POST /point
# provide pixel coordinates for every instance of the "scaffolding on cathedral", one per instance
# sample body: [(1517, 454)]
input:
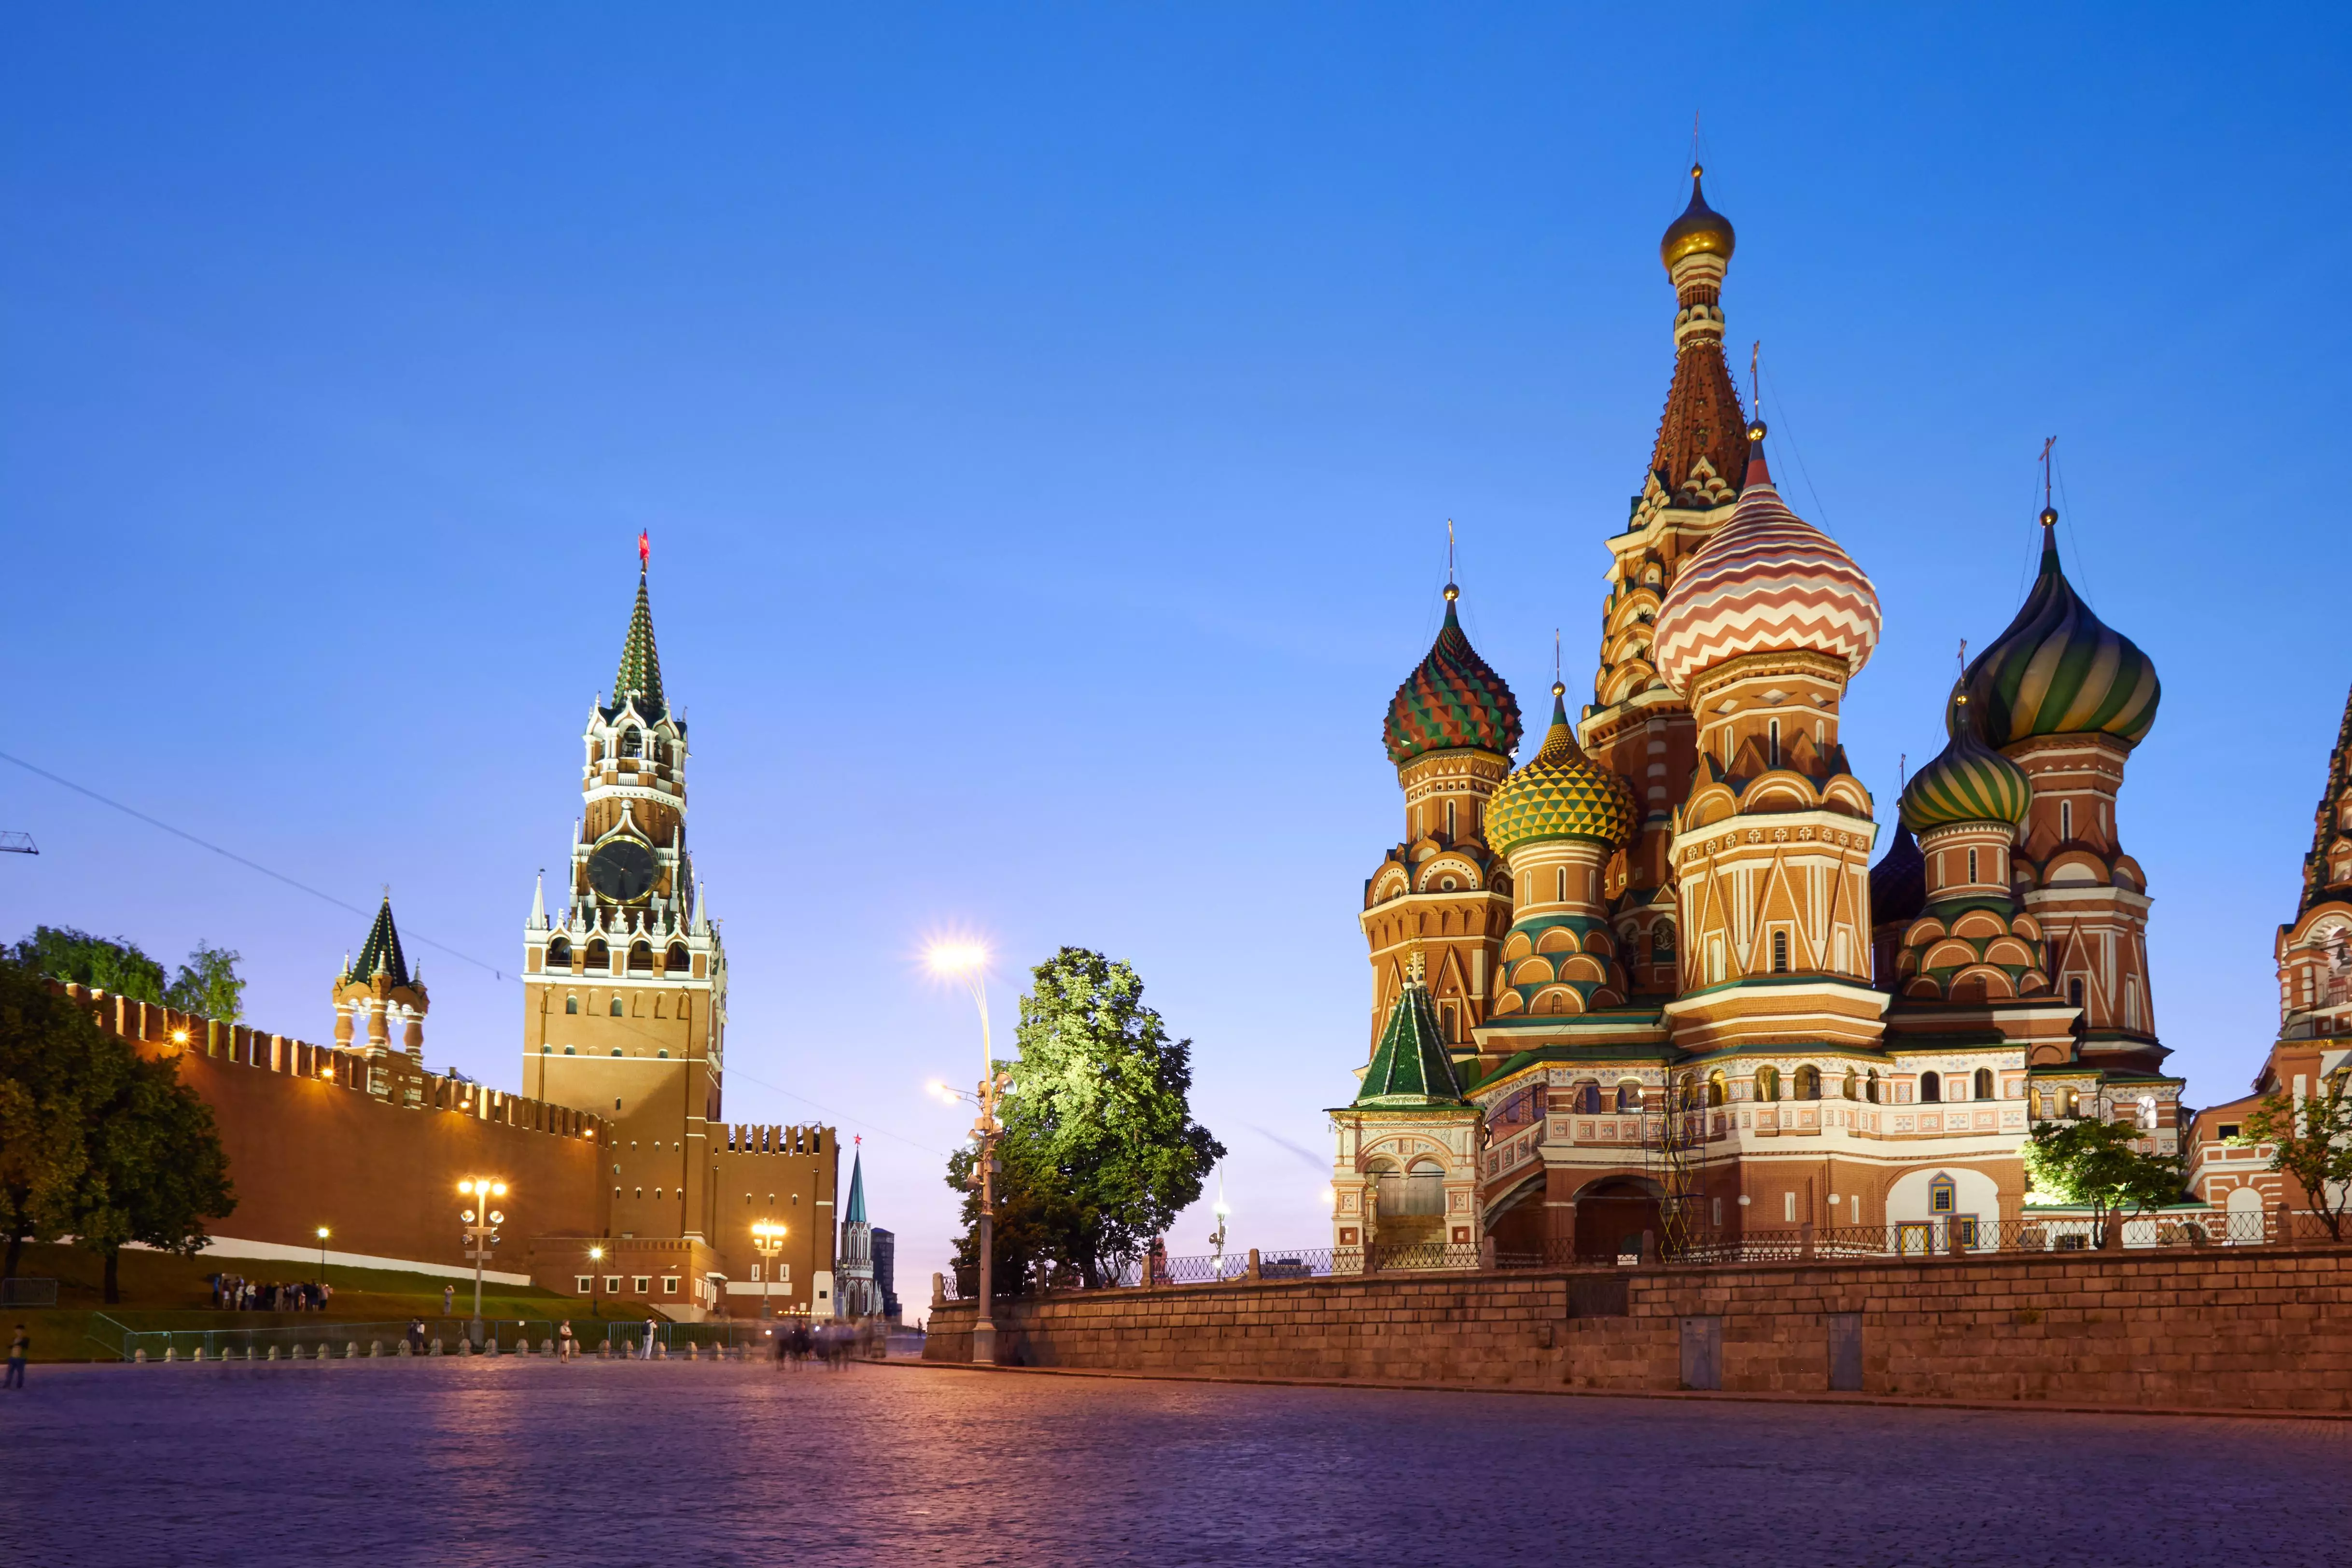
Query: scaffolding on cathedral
[(1674, 1155)]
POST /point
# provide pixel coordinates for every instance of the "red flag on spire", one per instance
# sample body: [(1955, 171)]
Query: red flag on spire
[(645, 548)]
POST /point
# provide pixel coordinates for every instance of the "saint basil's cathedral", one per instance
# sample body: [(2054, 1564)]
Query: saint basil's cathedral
[(1671, 978)]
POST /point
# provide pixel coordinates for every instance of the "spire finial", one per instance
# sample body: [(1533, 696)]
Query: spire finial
[(1416, 968), (1903, 768), (2049, 512), (1452, 593), (645, 550)]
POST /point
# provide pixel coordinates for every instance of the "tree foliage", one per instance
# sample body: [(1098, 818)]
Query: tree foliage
[(2312, 1143), (1100, 1150), (207, 983), (97, 1141), (2092, 1164)]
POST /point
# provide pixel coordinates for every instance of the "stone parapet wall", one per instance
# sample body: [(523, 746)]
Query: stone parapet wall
[(2237, 1327)]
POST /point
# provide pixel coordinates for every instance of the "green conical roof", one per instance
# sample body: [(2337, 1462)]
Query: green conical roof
[(856, 1212), (1410, 1064), (381, 947), (640, 673)]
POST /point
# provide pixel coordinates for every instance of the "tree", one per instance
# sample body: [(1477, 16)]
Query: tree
[(2092, 1164), (2312, 1143), (1099, 1149), (53, 1058), (207, 983), (116, 967), (156, 1169)]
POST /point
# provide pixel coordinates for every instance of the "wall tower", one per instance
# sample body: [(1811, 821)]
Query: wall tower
[(2314, 949)]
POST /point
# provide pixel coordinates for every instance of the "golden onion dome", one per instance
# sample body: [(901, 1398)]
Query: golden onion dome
[(1701, 228), (1560, 794)]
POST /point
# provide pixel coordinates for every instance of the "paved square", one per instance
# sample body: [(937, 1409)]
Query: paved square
[(509, 1461)]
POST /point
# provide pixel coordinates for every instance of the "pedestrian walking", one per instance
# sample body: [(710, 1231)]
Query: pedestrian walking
[(448, 1300), (647, 1351), (563, 1344), (416, 1336), (19, 1347)]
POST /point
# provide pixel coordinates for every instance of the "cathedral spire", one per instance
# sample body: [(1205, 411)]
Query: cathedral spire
[(1702, 422), (2327, 869), (381, 952), (640, 672)]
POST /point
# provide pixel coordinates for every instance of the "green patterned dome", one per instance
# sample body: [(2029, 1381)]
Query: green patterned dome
[(1452, 700), (1560, 794), (1968, 781), (2060, 670)]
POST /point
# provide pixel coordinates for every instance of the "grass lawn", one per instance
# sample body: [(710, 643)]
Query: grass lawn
[(160, 1291)]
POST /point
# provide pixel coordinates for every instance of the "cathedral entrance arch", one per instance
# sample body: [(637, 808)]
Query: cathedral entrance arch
[(1613, 1214)]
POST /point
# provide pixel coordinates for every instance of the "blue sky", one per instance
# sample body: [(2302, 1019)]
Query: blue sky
[(1046, 420)]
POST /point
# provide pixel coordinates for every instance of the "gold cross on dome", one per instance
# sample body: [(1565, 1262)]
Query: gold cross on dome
[(1416, 969)]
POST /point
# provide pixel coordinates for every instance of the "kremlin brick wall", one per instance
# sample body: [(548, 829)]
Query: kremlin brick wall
[(307, 1146), (2226, 1327)]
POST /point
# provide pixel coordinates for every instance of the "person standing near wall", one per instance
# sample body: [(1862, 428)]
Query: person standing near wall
[(19, 1347), (647, 1353), (564, 1342), (448, 1300)]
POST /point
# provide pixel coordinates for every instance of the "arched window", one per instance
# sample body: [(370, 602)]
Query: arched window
[(570, 1051), (2074, 1103), (1662, 943), (1629, 1096), (640, 958), (572, 1004), (1808, 1083), (2066, 820), (1718, 1087), (1588, 1098), (1449, 822), (1984, 1083), (616, 1012), (1559, 880), (1853, 1084), (633, 743), (678, 963), (1773, 730), (1768, 1083), (1779, 952), (599, 957), (616, 1050), (1972, 866), (1931, 1089), (663, 1053), (559, 954), (2147, 1114), (1943, 1195), (1870, 1087), (2074, 991)]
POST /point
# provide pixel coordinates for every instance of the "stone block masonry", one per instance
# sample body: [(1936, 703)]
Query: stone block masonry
[(2226, 1327)]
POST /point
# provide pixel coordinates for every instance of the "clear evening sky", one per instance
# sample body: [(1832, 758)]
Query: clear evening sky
[(1045, 421)]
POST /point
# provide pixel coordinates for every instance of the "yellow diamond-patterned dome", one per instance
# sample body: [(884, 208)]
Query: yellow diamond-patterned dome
[(1560, 794)]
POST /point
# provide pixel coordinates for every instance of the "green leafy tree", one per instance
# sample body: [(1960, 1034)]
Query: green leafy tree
[(208, 984), (116, 966), (156, 1170), (2312, 1143), (53, 1060), (2093, 1164), (1099, 1149)]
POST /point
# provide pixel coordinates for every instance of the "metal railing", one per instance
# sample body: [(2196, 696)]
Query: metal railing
[(329, 1340), (29, 1292)]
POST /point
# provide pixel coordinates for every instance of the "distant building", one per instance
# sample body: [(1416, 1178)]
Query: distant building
[(885, 1272), (854, 1274)]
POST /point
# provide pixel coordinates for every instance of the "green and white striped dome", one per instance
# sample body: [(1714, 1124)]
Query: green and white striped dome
[(1968, 781)]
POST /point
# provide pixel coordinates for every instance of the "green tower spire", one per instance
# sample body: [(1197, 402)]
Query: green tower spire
[(1410, 1065), (640, 673)]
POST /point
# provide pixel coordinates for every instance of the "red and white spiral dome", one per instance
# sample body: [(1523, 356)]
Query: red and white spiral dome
[(1769, 582)]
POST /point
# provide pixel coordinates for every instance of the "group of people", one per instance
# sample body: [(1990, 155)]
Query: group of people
[(234, 1293), (831, 1342)]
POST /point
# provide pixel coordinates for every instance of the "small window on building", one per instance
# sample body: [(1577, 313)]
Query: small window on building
[(1779, 952), (2074, 991), (1629, 1097), (569, 1051), (1941, 1195), (1853, 1084), (2226, 1131), (581, 1284), (1931, 1089), (1984, 1083), (1768, 1083), (616, 1050), (1870, 1087), (611, 1284), (543, 1050), (1808, 1083), (643, 1284), (641, 1191), (1715, 1214), (2066, 820), (1972, 866), (1559, 882), (559, 954), (1789, 1207), (1449, 819), (572, 1004), (1772, 731), (669, 1285), (663, 1053), (616, 1012)]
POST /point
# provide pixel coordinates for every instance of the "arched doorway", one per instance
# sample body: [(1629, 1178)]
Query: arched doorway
[(1612, 1215)]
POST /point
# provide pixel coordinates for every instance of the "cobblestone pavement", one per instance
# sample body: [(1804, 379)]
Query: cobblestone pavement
[(510, 1462)]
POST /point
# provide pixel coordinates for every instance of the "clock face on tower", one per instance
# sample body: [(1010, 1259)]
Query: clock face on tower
[(623, 870)]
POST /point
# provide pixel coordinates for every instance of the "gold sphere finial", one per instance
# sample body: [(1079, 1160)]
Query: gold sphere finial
[(1697, 170), (1560, 689), (1452, 593), (1755, 429), (2049, 517)]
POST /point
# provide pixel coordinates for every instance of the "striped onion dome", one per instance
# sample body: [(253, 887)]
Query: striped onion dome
[(1560, 794), (1968, 781), (1452, 701), (1769, 582), (2061, 671)]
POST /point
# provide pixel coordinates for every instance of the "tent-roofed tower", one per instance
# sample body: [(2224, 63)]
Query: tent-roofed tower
[(2314, 949), (626, 975), (1405, 1162), (854, 1270), (1636, 726), (379, 985)]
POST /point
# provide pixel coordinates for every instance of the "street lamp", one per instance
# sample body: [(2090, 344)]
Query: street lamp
[(770, 1240), (322, 1256), (596, 1267), (482, 1224), (1217, 1237), (967, 962)]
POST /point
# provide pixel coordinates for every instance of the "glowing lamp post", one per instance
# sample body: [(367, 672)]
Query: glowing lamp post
[(322, 1254), (969, 962), (769, 1240), (482, 1224), (595, 1266)]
